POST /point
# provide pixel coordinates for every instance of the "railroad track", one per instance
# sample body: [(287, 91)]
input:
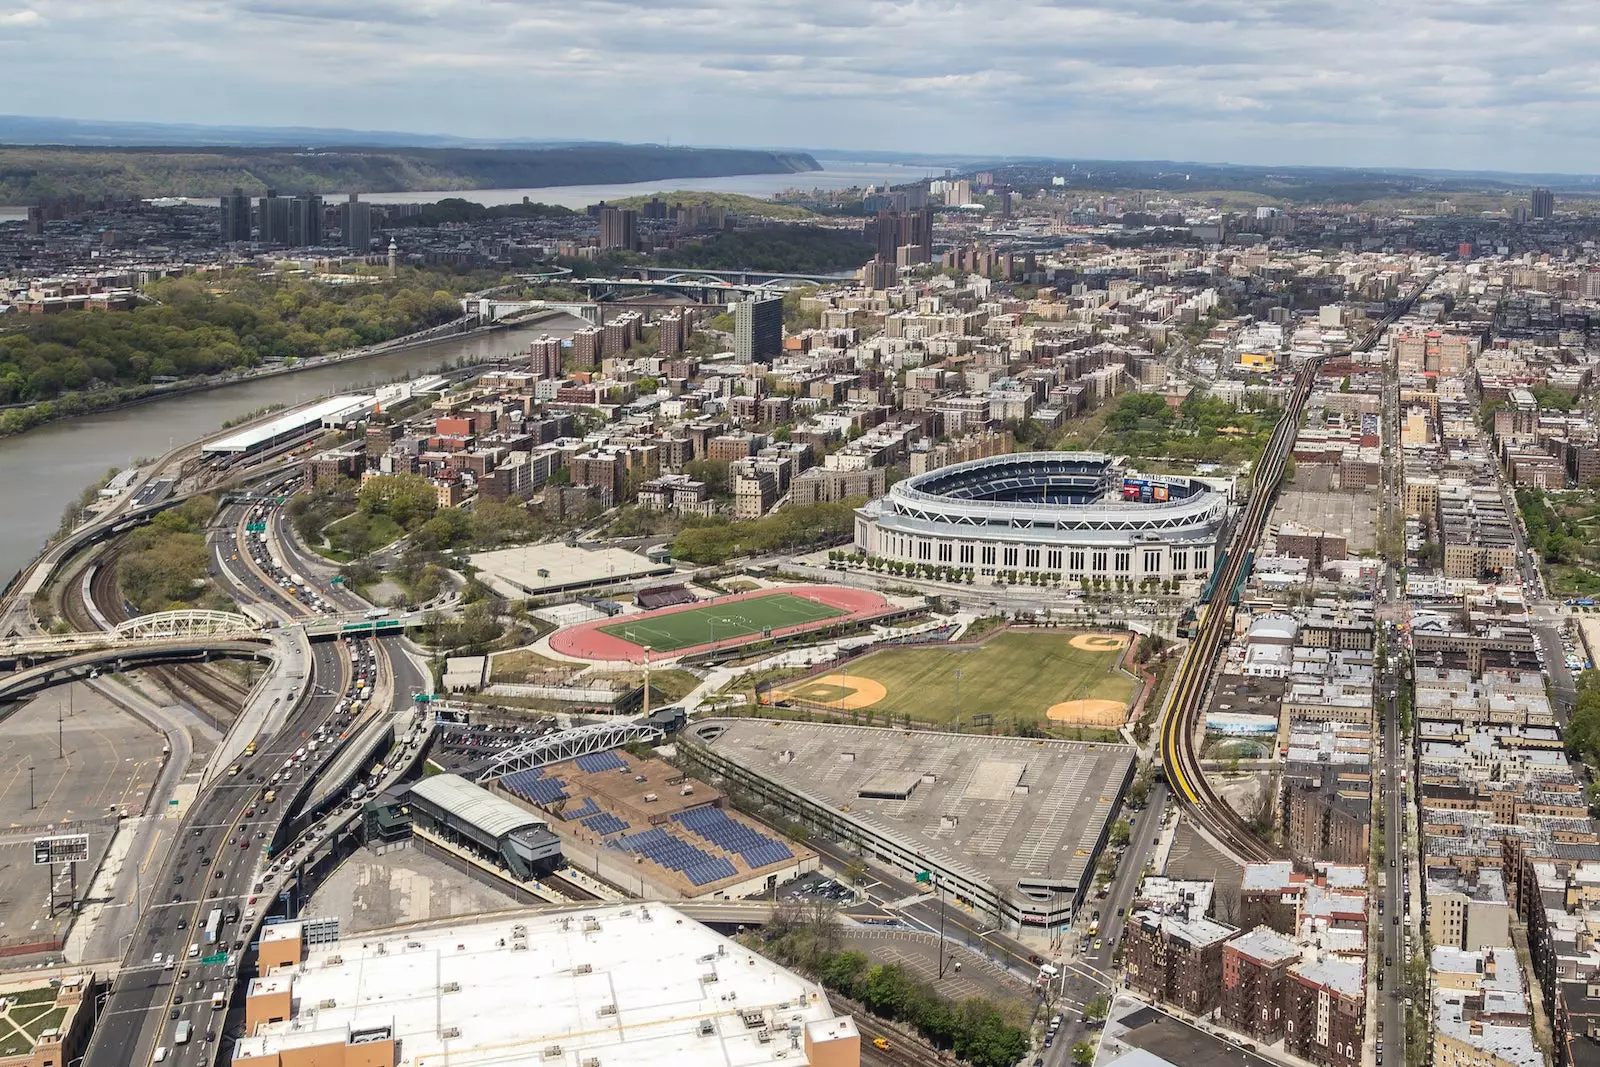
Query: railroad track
[(1180, 722), (220, 695)]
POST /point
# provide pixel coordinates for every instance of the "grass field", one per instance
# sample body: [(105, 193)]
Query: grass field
[(1013, 676), (721, 622)]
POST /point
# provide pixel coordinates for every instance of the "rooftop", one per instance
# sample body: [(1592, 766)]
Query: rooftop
[(999, 808), (494, 815), (629, 984)]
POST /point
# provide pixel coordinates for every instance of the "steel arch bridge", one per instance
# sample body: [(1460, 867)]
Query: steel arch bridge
[(569, 744), (196, 623)]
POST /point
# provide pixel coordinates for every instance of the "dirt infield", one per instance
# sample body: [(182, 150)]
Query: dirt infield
[(834, 691), (1104, 713), (591, 641), (1100, 642), (1016, 675)]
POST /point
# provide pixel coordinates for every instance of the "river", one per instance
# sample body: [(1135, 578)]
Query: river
[(44, 470), (835, 174)]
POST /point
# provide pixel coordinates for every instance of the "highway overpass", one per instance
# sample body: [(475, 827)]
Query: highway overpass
[(29, 680)]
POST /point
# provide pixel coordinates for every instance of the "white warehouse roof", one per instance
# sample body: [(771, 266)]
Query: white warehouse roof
[(335, 409), (631, 985)]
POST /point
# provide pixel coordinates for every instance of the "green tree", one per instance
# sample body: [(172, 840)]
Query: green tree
[(1083, 1054), (408, 499)]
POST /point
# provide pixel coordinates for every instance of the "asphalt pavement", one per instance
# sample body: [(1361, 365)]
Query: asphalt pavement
[(213, 863)]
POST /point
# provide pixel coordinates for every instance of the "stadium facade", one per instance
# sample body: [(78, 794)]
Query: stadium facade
[(1073, 514)]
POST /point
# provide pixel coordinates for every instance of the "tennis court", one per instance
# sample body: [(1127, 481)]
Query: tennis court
[(725, 621)]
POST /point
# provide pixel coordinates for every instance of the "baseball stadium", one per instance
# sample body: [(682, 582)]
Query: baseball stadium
[(1075, 515)]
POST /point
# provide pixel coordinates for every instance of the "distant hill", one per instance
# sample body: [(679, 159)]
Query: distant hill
[(35, 129), (29, 173)]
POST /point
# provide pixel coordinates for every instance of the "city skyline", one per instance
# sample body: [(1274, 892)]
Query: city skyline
[(1274, 84)]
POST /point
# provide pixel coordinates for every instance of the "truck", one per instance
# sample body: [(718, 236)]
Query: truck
[(271, 795), (180, 1036), (366, 693), (213, 925), (218, 1001), (377, 613)]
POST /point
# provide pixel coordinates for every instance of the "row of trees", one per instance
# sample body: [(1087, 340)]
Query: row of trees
[(717, 540), (842, 559), (207, 325), (973, 1030)]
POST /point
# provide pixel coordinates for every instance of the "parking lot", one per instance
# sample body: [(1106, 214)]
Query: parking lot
[(70, 754), (69, 762)]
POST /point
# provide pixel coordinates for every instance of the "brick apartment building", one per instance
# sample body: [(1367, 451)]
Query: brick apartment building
[(1327, 818), (1176, 960), (1325, 1012), (1270, 895), (1255, 970), (821, 485)]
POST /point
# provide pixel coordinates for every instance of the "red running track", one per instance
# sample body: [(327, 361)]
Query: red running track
[(585, 641)]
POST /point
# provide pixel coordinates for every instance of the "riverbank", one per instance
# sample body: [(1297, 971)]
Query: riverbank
[(44, 470), (100, 402)]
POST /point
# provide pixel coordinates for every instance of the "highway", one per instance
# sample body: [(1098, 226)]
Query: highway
[(220, 856), (215, 861), (1185, 706)]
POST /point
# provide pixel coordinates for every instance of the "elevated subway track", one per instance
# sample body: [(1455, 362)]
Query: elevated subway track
[(1181, 719)]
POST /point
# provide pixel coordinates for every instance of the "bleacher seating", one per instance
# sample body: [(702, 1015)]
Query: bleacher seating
[(605, 823), (674, 853), (595, 762), (713, 824), (531, 785)]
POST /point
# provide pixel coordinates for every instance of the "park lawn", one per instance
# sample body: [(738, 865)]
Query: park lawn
[(721, 622), (50, 1017), (1013, 676)]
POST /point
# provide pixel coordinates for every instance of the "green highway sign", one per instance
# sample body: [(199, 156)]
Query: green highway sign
[(337, 579), (221, 957), (923, 877), (255, 527)]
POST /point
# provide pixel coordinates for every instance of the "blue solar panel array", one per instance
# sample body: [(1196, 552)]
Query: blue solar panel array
[(676, 854), (605, 823), (713, 824), (533, 786), (596, 762), (587, 808)]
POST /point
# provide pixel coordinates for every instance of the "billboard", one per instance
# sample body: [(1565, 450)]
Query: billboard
[(64, 848), (1160, 493)]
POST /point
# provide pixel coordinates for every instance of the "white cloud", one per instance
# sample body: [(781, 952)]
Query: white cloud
[(1443, 83)]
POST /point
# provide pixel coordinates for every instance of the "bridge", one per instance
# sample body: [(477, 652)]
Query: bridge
[(509, 311), (31, 680), (569, 744), (742, 277), (134, 633)]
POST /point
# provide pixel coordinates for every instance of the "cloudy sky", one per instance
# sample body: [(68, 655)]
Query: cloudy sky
[(1503, 84)]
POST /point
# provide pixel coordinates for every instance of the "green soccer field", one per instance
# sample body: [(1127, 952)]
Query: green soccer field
[(721, 622)]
